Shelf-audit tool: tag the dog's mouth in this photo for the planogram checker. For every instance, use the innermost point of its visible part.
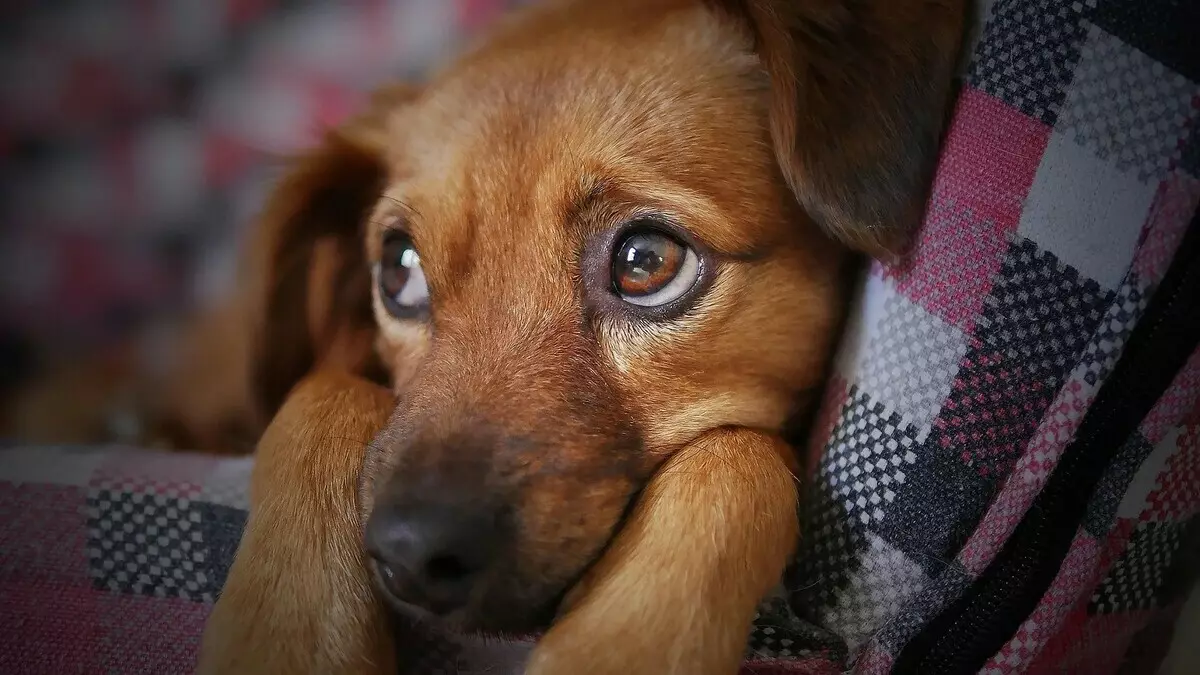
(499, 606)
(392, 591)
(498, 558)
(492, 611)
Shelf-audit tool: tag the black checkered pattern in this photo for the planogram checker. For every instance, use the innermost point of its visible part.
(867, 458)
(221, 527)
(152, 544)
(871, 462)
(1105, 347)
(1135, 582)
(1035, 324)
(1027, 54)
(943, 499)
(1102, 511)
(831, 547)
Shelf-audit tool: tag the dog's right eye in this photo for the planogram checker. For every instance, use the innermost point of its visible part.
(401, 282)
(651, 268)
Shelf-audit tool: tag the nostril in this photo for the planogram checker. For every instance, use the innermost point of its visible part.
(392, 539)
(447, 568)
(430, 555)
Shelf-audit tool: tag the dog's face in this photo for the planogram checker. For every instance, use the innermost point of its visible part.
(585, 250)
(586, 243)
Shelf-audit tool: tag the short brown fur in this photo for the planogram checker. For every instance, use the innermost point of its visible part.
(637, 458)
(298, 598)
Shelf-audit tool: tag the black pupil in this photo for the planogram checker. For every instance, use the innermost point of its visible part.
(393, 274)
(640, 259)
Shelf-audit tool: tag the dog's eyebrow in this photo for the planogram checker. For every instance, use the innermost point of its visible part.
(390, 212)
(591, 191)
(675, 202)
(399, 207)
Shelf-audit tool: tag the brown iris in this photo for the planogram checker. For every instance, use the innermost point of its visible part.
(645, 262)
(393, 273)
(401, 281)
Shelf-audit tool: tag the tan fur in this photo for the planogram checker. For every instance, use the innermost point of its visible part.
(298, 598)
(597, 410)
(640, 460)
(71, 403)
(179, 384)
(729, 501)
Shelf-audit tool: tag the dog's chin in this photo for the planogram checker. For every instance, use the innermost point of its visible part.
(498, 614)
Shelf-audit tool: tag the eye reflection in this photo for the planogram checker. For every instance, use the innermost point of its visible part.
(401, 280)
(652, 268)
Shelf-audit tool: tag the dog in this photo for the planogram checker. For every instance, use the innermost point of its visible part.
(532, 335)
(179, 383)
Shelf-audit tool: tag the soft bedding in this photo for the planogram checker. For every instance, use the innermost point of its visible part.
(1065, 201)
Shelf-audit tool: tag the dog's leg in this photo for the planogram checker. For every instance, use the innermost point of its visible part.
(299, 598)
(676, 593)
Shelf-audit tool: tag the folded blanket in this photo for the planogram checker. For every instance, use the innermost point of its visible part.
(958, 518)
(111, 559)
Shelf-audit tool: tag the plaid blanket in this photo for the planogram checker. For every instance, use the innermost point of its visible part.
(1069, 177)
(968, 388)
(111, 558)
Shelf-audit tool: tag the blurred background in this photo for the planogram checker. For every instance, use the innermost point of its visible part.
(137, 137)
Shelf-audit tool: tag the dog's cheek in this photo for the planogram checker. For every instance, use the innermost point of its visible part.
(566, 521)
(750, 354)
(401, 349)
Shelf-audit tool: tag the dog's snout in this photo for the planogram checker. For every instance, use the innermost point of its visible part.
(431, 556)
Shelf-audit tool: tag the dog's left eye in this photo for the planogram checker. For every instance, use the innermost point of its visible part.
(401, 280)
(651, 268)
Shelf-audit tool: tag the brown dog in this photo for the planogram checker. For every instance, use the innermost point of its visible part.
(601, 260)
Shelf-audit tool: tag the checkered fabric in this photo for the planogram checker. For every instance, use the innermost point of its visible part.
(111, 558)
(1070, 173)
(1068, 177)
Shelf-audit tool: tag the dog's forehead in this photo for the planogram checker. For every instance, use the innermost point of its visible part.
(656, 95)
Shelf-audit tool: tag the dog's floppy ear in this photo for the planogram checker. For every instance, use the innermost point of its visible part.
(311, 294)
(859, 90)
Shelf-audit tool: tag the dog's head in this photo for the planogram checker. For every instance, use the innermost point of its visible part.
(606, 230)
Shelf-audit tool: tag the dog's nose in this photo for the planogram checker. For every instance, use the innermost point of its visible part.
(430, 556)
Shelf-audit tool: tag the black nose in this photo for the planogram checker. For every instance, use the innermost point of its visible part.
(431, 555)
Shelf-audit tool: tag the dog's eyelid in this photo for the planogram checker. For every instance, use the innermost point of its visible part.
(393, 214)
(673, 224)
(686, 226)
(399, 205)
(387, 224)
(605, 205)
(592, 195)
(754, 255)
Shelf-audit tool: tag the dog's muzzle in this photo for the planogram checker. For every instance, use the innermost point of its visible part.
(432, 554)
